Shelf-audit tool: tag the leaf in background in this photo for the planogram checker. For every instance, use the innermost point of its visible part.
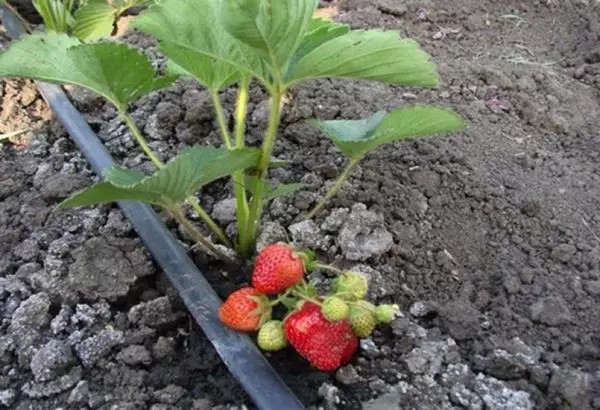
(170, 185)
(269, 192)
(189, 34)
(368, 55)
(357, 137)
(274, 28)
(94, 20)
(283, 190)
(116, 71)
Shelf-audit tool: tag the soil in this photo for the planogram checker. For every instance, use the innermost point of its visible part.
(489, 239)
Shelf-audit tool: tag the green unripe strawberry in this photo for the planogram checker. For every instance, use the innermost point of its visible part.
(335, 309)
(386, 313)
(351, 285)
(362, 318)
(271, 337)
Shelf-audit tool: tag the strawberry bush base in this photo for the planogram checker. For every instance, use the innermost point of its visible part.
(475, 258)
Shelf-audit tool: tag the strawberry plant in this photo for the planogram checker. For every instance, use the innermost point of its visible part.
(222, 43)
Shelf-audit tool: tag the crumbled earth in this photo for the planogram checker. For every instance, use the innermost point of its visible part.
(489, 239)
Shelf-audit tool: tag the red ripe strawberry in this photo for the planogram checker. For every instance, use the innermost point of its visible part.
(245, 310)
(277, 267)
(327, 345)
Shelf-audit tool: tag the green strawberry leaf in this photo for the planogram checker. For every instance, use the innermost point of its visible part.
(311, 290)
(190, 34)
(273, 28)
(319, 31)
(123, 177)
(94, 20)
(189, 171)
(117, 72)
(368, 55)
(357, 137)
(105, 193)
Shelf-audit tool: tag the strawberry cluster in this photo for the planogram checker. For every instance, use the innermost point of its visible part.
(323, 329)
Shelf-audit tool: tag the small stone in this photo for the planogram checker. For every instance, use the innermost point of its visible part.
(27, 250)
(427, 359)
(392, 7)
(363, 235)
(330, 394)
(379, 386)
(423, 308)
(27, 322)
(460, 319)
(334, 221)
(94, 348)
(563, 252)
(7, 397)
(271, 232)
(47, 389)
(61, 320)
(164, 347)
(58, 186)
(225, 211)
(170, 394)
(369, 347)
(347, 375)
(52, 360)
(306, 234)
(201, 404)
(84, 315)
(551, 311)
(572, 385)
(155, 313)
(511, 284)
(80, 393)
(593, 287)
(498, 396)
(504, 365)
(135, 355)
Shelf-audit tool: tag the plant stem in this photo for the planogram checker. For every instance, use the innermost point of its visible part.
(140, 139)
(202, 214)
(316, 265)
(307, 298)
(248, 235)
(214, 94)
(197, 236)
(241, 198)
(159, 164)
(335, 188)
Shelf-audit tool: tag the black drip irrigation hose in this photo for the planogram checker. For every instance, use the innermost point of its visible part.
(243, 359)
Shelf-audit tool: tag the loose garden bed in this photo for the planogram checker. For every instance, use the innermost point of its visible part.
(489, 239)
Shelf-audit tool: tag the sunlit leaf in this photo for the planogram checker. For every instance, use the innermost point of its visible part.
(116, 71)
(357, 137)
(274, 28)
(368, 55)
(319, 31)
(191, 36)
